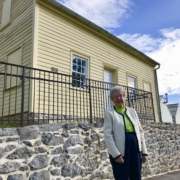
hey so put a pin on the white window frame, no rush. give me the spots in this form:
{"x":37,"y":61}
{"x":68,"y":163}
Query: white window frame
{"x":132,"y":92}
{"x":6,"y":13}
{"x":76,"y":66}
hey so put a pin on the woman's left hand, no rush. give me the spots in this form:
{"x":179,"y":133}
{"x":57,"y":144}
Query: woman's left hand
{"x":144,"y":159}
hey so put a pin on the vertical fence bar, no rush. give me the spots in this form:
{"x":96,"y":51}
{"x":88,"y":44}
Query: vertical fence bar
{"x":128,"y":96}
{"x":44,"y":101}
{"x":16,"y":93}
{"x":58,"y":98}
{"x":10,"y":88}
{"x":90,"y":102}
{"x":48,"y":96}
{"x":70,"y":98}
{"x":39,"y":102}
{"x":66,"y":100}
{"x":62,"y":97}
{"x":22,"y":96}
{"x":5,"y":77}
{"x":34,"y":91}
{"x":29,"y":90}
{"x":152,"y":105}
{"x":53,"y":97}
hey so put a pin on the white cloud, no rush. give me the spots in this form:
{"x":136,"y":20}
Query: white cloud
{"x":105,"y":13}
{"x":165,"y":50}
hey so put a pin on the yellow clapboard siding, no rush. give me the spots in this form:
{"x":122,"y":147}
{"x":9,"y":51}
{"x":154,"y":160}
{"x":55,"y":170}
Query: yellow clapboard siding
{"x":18,"y":7}
{"x":64,"y":25}
{"x":1,"y":8}
{"x":17,"y":34}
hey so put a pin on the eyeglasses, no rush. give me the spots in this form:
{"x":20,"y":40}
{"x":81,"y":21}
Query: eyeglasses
{"x":118,"y":96}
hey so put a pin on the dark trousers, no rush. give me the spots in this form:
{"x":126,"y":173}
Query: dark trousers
{"x":131,"y":169}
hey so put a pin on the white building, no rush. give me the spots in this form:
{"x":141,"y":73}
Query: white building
{"x":175,"y":112}
{"x":165,"y":113}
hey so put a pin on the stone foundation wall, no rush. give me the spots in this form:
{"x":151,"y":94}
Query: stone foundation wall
{"x":77,"y":151}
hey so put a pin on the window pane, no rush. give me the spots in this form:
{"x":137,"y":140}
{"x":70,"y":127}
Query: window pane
{"x":79,"y":61}
{"x":74,"y":67}
{"x":75,"y":61}
{"x":132,"y":82}
{"x":82,"y":76}
{"x":74,"y":74}
{"x":74,"y":82}
{"x":77,"y":83}
{"x":79,"y":69}
{"x":84,"y":63}
{"x":83,"y":70}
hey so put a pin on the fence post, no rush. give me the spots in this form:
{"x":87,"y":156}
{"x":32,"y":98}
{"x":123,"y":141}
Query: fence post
{"x":128,"y":96}
{"x":90,"y":102}
{"x":152,"y":103}
{"x":22,"y":96}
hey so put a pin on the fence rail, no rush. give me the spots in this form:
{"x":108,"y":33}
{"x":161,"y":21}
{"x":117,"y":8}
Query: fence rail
{"x":36,"y":96}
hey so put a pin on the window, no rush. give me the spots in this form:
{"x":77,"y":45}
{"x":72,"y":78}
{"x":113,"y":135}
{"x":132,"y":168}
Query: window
{"x":147,"y":87}
{"x":131,"y":82}
{"x":79,"y":72}
{"x":6,"y":13}
{"x":132,"y":90}
{"x":14,"y":58}
{"x":108,"y":79}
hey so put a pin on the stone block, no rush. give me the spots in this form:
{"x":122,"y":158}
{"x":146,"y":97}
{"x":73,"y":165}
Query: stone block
{"x":9,"y":148}
{"x":16,"y":177}
{"x":73,"y":140}
{"x":57,"y":150}
{"x":74,"y":150}
{"x":59,"y":161}
{"x":95,"y":137}
{"x":85,"y":127}
{"x":39,"y":150}
{"x":103,"y":156}
{"x":9,"y":167}
{"x":70,"y":126}
{"x":39,"y":162}
{"x":89,"y":153}
{"x":70,"y":170}
{"x":99,"y":124}
{"x":21,"y":153}
{"x":28,"y":132}
{"x":49,"y":139}
{"x":55,"y":172}
{"x":7,"y":131}
{"x":42,"y":175}
{"x":52,"y":127}
{"x":12,"y":139}
{"x":2,"y":152}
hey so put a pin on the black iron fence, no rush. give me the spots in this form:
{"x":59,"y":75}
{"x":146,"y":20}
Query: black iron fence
{"x":36,"y":96}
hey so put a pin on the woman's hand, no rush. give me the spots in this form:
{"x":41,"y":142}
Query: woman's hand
{"x":144,"y":159}
{"x":119,"y":160}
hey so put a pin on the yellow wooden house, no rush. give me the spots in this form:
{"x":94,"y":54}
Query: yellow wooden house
{"x":69,"y":49}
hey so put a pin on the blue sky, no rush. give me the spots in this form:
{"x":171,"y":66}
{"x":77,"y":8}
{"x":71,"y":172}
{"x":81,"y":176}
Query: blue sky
{"x":151,"y":26}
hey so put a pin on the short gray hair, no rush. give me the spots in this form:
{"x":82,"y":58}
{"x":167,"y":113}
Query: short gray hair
{"x":116,"y":88}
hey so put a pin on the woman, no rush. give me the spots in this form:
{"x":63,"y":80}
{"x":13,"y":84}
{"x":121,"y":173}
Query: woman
{"x":124,"y":138}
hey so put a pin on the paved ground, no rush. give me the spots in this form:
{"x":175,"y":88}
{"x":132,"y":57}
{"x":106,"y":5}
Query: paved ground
{"x":170,"y":176}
